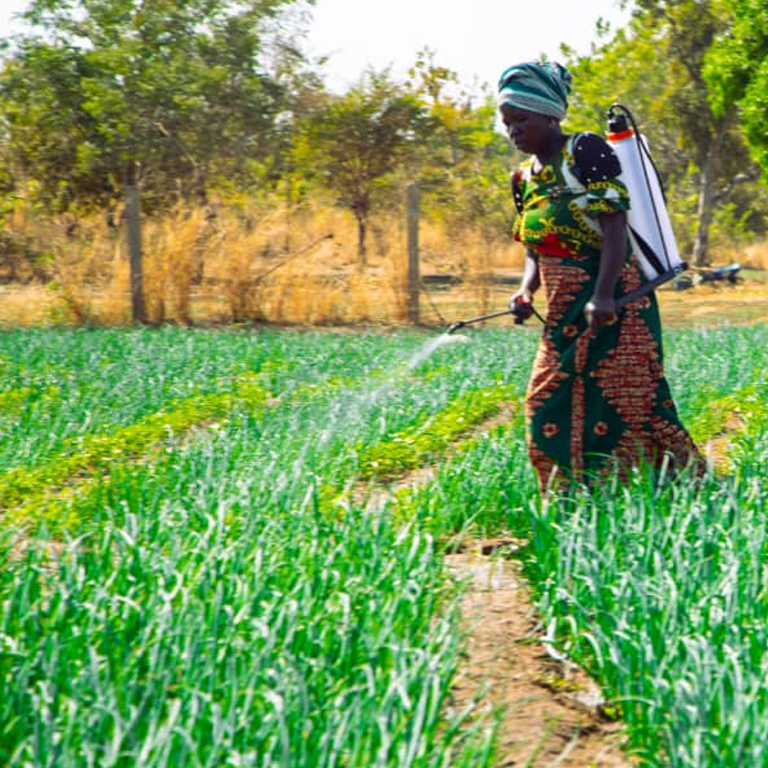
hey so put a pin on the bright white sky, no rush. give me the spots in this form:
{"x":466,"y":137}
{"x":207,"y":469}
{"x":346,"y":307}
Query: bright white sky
{"x":476,"y":39}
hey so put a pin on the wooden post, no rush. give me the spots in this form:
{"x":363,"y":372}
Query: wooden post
{"x":413,"y":204}
{"x":133,"y":226}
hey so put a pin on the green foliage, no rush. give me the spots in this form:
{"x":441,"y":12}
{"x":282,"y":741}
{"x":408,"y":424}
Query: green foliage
{"x":736,"y":69}
{"x":177,"y":638}
{"x":660,"y":591}
{"x":205,"y":583}
{"x":464,"y":161}
{"x":176,"y":86}
{"x":355,"y":141}
{"x":205,"y":600}
{"x":457,"y":507}
{"x":22,"y":489}
{"x":416,"y":445}
{"x":470,"y":186}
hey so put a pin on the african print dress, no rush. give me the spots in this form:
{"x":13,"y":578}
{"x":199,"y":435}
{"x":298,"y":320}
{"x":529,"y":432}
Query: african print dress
{"x":592,"y":400}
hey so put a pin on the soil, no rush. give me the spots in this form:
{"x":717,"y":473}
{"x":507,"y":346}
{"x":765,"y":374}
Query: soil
{"x":551,"y":711}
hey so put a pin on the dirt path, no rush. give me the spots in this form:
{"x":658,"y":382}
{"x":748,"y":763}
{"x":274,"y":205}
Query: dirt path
{"x":551,"y":710}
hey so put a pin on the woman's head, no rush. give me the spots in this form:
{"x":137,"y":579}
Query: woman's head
{"x":536,"y":86}
{"x":533,"y":98}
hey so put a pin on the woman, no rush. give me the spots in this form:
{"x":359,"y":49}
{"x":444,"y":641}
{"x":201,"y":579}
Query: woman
{"x":597,"y":394}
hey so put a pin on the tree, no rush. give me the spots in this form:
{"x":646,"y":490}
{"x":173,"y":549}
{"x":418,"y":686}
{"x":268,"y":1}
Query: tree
{"x":464,"y":161}
{"x":356,"y":140}
{"x":736,"y":69}
{"x":175,"y":86}
{"x":111,"y":94}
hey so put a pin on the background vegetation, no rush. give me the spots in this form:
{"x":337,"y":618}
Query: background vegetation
{"x":227,"y":128}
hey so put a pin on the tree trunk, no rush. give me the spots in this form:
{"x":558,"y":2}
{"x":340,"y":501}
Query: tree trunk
{"x":700,"y":255}
{"x":706,"y":202}
{"x":362,"y":249}
{"x":133,"y":225}
{"x":413,"y":204}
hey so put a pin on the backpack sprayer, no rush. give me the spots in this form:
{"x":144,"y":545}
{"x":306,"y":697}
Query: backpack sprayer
{"x":648,"y":225}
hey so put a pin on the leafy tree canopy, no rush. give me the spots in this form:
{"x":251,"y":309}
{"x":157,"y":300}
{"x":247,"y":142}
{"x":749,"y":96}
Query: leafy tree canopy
{"x":355,"y":141}
{"x":175,"y":85}
{"x":736,"y":69}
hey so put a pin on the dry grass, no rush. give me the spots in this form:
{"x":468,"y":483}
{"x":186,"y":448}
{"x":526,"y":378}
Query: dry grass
{"x":755,"y":255}
{"x":710,"y":304}
{"x":230,"y":264}
{"x":238,"y":264}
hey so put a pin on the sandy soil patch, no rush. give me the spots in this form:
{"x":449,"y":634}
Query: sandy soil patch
{"x":551,"y":710}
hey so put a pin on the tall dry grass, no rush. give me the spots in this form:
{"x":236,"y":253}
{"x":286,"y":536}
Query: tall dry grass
{"x":65,"y":262}
{"x":755,"y":255}
{"x":226,"y":264}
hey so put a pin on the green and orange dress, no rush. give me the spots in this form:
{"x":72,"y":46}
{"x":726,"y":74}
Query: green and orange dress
{"x":592,"y":400}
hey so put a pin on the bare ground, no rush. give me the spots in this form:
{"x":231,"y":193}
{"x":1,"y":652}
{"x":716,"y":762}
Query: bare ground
{"x":551,"y":711}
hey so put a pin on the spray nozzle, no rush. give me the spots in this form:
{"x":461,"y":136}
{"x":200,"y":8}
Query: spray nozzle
{"x":455,"y":327}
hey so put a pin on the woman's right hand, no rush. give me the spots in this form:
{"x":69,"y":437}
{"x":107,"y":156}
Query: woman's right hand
{"x":600,"y":311}
{"x":521,"y":306}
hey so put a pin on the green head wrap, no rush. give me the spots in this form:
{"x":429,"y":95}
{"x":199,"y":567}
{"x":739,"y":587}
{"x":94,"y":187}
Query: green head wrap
{"x":538,"y":86}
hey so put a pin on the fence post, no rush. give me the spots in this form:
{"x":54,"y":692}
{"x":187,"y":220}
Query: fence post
{"x":413,"y":202}
{"x":133,"y":226}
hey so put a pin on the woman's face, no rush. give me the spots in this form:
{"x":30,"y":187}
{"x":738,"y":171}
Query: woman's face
{"x":529,"y":131}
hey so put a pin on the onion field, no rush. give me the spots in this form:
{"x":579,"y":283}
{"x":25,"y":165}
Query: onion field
{"x":198,"y":569}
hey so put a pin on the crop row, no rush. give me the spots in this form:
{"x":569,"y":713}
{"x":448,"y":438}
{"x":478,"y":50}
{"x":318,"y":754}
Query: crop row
{"x":213,"y":600}
{"x":219,"y":595}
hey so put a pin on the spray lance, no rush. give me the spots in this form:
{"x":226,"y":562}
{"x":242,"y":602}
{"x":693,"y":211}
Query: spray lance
{"x":522,"y":308}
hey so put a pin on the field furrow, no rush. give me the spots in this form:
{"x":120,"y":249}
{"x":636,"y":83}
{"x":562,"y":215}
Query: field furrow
{"x":230,"y":549}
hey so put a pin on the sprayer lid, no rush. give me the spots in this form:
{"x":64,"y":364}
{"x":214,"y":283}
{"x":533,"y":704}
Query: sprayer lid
{"x":617,"y":122}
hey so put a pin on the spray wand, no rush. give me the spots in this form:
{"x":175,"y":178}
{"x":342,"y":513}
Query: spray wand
{"x":522,"y":309}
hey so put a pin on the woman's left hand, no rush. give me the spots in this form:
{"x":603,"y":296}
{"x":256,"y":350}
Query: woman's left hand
{"x":600,"y":311}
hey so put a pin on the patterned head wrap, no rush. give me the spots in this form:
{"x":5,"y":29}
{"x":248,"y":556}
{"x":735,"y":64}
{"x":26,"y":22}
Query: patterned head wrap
{"x":538,"y":86}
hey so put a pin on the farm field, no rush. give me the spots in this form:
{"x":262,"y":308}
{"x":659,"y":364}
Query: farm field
{"x":211,"y":556}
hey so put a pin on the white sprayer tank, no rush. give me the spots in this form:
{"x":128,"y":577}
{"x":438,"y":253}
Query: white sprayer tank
{"x":651,"y":233}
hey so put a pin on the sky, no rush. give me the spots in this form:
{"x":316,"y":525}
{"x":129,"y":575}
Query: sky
{"x":477,"y":39}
